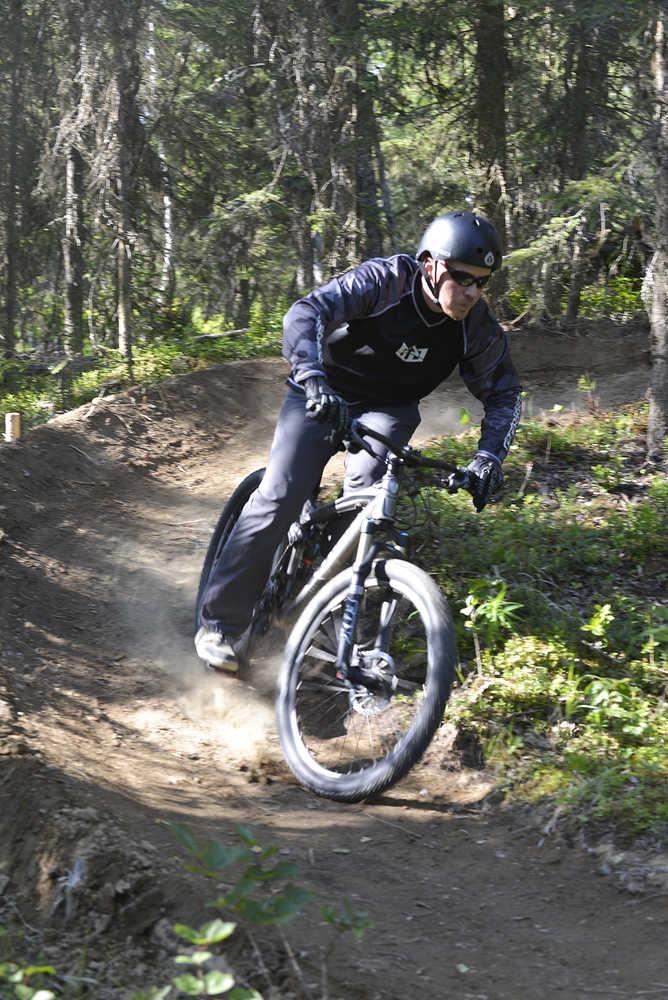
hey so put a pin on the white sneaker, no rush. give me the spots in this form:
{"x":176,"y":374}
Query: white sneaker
{"x":216,"y":650}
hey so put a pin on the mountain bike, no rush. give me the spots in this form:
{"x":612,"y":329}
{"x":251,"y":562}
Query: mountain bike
{"x":369,"y":662}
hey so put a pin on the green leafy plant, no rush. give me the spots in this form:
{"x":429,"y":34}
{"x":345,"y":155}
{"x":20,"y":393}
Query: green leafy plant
{"x":615,"y":703}
{"x":599,"y":622}
{"x":201,"y":982}
{"x":588,"y":386}
{"x":656,"y":635}
{"x":609,"y":474}
{"x":262,"y":894}
{"x":620,"y":298}
{"x":488,"y":613}
{"x":354,"y":921}
{"x":18,"y":978}
{"x":254,"y":896}
{"x":570,"y":634}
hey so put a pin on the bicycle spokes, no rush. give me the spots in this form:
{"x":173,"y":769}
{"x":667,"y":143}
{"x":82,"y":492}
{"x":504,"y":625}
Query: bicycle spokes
{"x":350,"y":718}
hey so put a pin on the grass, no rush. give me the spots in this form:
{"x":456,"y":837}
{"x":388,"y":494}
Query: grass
{"x":558,"y":589}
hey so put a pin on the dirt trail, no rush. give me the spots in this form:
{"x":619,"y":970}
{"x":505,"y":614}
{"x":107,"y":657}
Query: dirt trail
{"x":108,"y":724}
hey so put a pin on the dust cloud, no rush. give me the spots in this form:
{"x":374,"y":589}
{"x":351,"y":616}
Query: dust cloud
{"x":234,"y":713}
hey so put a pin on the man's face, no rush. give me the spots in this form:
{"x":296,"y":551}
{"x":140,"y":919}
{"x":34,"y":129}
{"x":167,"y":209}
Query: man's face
{"x":452,"y":298}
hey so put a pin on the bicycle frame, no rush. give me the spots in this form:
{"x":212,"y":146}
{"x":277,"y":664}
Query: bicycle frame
{"x":377,"y":514}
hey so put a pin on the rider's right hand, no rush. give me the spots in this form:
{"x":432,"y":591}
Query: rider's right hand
{"x":324,"y":404}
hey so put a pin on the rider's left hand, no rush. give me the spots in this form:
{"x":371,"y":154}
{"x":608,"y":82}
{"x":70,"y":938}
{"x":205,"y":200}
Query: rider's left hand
{"x":485,"y":478}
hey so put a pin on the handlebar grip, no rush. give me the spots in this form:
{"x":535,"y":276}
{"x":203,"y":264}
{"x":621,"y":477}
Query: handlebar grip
{"x":459,"y":480}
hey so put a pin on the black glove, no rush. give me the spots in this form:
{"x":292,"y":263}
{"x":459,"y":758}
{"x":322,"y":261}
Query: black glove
{"x":325,"y":405}
{"x":485,"y":478}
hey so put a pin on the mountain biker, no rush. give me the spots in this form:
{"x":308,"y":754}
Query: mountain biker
{"x":370,"y":343}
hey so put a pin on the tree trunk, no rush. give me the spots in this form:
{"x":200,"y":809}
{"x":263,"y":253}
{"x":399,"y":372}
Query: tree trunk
{"x":578,"y":264}
{"x":303,"y":237}
{"x":11,"y":159}
{"x":549,"y":292}
{"x":167,"y":276}
{"x":491,"y":67}
{"x":167,"y":270}
{"x":343,"y":231}
{"x":123,"y":250}
{"x":341,"y":236}
{"x":242,"y":305}
{"x":73,"y":263}
{"x":372,"y":240}
{"x":126,"y":25}
{"x":385,"y":192}
{"x":72,"y":238}
{"x":658,"y":401}
{"x":578,"y":100}
{"x":490,"y":109}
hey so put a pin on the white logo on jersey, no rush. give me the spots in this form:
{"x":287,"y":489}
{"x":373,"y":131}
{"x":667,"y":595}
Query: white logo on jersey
{"x":412,"y":354}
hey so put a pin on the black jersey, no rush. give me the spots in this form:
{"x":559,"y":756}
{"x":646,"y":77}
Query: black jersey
{"x":371,"y":334}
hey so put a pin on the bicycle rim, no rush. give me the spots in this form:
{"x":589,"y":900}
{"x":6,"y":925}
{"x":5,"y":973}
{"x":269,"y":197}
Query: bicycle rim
{"x":346,"y":740}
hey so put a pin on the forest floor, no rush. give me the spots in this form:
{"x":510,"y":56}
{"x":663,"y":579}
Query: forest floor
{"x":109,"y":725}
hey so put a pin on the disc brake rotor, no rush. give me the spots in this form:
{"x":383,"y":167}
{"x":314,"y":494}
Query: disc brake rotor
{"x":373,"y":693}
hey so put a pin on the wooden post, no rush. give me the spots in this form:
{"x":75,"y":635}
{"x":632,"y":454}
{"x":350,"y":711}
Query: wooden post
{"x":12,"y":426}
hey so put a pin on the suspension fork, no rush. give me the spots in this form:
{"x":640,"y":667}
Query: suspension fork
{"x":383,"y":513}
{"x":360,"y":571}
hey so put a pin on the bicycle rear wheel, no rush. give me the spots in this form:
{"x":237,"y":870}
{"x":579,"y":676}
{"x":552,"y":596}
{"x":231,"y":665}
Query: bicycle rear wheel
{"x":349,"y":740}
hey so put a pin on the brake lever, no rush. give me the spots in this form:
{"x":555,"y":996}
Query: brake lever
{"x":354,"y":442}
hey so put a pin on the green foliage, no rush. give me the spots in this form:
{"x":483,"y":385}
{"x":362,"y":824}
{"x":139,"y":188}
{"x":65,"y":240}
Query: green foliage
{"x":599,"y":621}
{"x":519,"y":299}
{"x":619,"y":299}
{"x":488,"y":611}
{"x":37,"y":398}
{"x":23,"y":980}
{"x":34,"y":406}
{"x":570,"y":634}
{"x":254,"y":200}
{"x":255,"y":896}
{"x":355,"y":921}
{"x":202,"y":982}
{"x":262,"y":894}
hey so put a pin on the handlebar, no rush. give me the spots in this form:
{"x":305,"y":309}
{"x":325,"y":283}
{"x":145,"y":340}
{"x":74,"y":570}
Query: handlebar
{"x":458,"y":479}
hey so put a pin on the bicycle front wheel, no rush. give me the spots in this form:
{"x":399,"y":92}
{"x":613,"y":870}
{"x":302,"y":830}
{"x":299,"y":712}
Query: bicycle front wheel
{"x":350,"y":739}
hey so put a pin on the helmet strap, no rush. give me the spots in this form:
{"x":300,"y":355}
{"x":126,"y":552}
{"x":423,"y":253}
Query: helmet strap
{"x":430,"y":283}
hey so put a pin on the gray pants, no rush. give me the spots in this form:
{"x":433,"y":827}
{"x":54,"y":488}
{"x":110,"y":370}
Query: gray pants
{"x":299,"y":453}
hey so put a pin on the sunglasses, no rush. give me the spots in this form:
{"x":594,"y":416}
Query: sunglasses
{"x":464,"y":278}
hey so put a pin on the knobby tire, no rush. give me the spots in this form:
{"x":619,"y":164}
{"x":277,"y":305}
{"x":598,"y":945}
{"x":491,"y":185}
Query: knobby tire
{"x":350,"y":745}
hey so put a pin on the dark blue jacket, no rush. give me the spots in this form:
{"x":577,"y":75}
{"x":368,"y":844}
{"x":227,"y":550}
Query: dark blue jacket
{"x":371,"y":334}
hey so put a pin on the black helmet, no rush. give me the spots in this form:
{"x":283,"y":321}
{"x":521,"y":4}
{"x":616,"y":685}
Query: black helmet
{"x":462,"y":236}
